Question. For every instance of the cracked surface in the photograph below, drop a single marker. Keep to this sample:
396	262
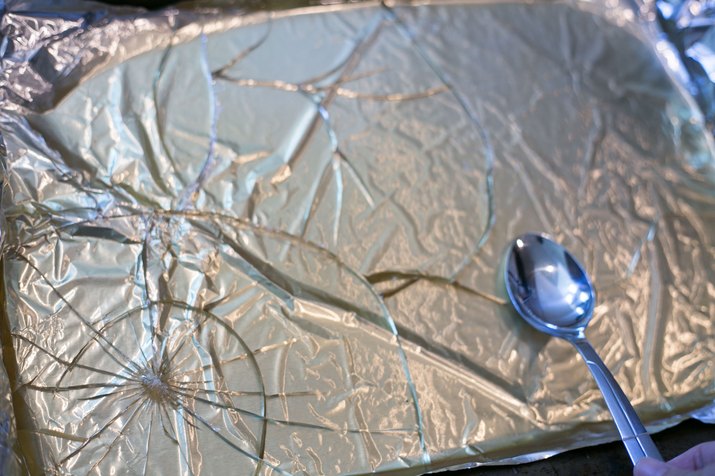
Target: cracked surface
272	242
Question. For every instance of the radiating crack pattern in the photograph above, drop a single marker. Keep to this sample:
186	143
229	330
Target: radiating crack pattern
168	372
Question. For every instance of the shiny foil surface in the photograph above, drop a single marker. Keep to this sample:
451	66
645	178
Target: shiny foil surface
690	26
271	242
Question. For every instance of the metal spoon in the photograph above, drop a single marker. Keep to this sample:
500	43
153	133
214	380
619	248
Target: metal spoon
552	292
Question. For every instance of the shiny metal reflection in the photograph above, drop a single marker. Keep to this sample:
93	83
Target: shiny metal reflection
552	292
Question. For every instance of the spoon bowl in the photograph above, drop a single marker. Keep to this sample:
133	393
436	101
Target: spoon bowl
550	289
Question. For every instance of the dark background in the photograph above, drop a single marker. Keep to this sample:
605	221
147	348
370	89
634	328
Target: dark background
609	459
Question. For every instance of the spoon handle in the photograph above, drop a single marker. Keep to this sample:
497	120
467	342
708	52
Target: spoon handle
634	435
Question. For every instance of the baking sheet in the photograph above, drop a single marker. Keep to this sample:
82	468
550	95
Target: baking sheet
270	242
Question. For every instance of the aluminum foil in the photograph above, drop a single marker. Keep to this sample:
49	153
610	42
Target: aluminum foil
271	242
688	25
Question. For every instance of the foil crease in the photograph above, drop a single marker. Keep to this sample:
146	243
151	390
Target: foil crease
271	242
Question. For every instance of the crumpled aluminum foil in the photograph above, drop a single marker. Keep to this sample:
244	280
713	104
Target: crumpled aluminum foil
271	242
688	25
